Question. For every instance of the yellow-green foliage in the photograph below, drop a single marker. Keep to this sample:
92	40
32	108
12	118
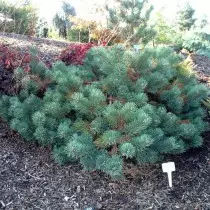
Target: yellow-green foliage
186	67
207	103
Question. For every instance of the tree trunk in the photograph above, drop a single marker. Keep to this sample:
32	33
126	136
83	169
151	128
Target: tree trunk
89	38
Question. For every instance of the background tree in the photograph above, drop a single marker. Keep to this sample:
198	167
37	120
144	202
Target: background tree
130	18
23	18
42	28
68	9
164	31
27	2
185	18
81	29
60	24
61	20
203	22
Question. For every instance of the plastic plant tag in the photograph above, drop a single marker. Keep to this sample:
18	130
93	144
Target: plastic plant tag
168	168
136	47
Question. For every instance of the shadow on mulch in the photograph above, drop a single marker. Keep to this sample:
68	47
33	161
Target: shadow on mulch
29	179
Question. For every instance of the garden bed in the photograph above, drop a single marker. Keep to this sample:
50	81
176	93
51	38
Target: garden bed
30	179
47	49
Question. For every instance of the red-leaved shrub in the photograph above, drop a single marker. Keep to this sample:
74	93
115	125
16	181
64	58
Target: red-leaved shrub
11	59
75	53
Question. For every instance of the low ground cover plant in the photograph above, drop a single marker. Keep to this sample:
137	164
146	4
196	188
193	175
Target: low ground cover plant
117	106
11	59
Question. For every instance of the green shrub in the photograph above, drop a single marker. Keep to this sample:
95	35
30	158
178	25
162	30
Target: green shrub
194	41
177	42
53	34
116	106
205	52
165	32
78	35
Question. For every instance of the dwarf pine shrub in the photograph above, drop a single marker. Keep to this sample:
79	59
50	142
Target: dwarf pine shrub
116	106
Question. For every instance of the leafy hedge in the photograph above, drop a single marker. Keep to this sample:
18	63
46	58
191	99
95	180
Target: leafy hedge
118	105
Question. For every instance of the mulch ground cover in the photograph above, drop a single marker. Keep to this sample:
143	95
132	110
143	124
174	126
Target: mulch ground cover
31	180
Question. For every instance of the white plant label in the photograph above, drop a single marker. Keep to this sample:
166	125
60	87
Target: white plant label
169	168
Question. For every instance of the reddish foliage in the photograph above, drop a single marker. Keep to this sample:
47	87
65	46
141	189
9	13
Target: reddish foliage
75	53
6	57
11	59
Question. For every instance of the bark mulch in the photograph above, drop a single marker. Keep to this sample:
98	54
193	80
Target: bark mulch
7	83
31	180
201	65
47	49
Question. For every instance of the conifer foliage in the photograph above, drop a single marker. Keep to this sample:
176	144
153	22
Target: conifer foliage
186	18
119	105
130	19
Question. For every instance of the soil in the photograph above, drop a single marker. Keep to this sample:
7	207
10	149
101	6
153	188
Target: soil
201	66
31	180
7	83
47	49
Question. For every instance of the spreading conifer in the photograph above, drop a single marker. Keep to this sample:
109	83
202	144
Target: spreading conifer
119	105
